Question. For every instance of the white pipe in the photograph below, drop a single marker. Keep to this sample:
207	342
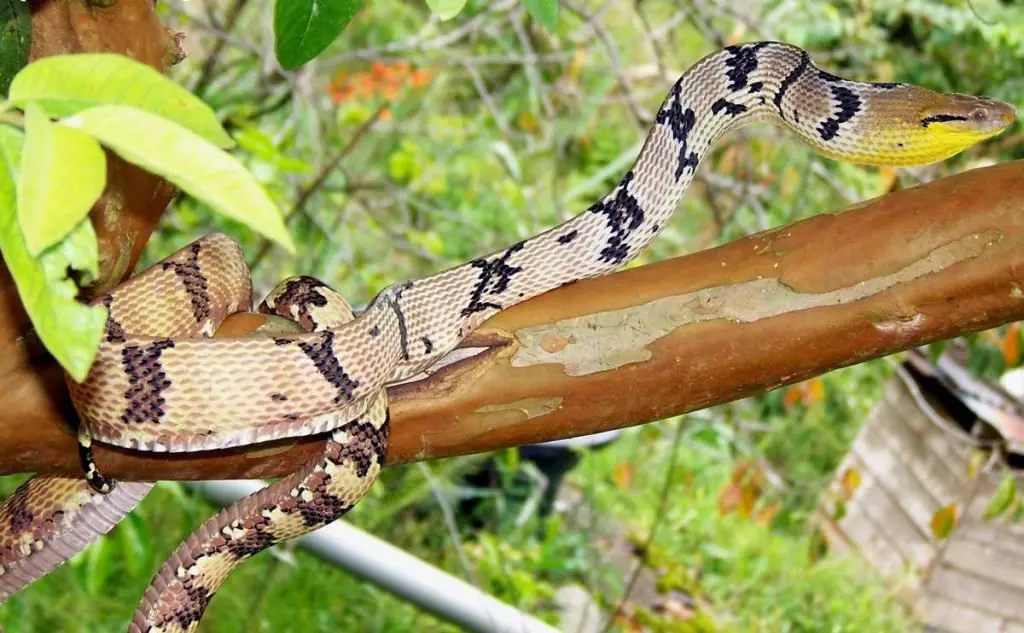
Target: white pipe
398	572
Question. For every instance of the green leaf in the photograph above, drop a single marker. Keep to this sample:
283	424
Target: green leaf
943	521
1003	497
63	172
70	330
545	11
67	84
97	566
15	39
304	28
207	173
136	546
446	9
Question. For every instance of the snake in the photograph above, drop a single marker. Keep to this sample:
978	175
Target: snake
161	382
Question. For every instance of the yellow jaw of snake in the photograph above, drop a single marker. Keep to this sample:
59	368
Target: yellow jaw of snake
924	126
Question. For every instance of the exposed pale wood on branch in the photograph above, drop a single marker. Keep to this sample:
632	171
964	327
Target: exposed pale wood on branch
928	263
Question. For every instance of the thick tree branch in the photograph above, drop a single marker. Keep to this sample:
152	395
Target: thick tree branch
928	263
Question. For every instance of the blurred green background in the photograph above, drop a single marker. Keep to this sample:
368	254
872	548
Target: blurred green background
493	129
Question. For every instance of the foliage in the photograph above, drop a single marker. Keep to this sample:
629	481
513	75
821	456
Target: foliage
764	579
59	174
304	28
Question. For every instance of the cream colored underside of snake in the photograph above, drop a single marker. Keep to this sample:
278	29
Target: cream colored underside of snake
160	383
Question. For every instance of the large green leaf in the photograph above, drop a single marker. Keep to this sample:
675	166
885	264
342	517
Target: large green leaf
66	84
446	9
70	330
15	40
204	171
304	28
546	11
63	172
1002	498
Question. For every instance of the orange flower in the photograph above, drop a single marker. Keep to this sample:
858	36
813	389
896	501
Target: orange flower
420	78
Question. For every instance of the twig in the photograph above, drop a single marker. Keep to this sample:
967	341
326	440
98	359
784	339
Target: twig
659	518
641	115
488	100
210	63
421	42
654	40
305	194
449	521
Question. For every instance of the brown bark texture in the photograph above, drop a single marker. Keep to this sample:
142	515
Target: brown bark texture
927	263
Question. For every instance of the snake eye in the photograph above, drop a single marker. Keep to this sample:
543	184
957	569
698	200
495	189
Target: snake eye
978	115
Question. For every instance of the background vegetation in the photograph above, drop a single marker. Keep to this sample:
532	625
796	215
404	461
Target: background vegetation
490	127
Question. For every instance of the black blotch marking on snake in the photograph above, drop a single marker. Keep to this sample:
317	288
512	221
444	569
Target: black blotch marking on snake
624	215
428	345
21	514
849	105
494	278
303	293
681	123
941	118
390	300
833	79
147	381
194	281
742	62
730	108
255	541
829	77
322	355
326	509
278	397
375	331
790	79
113	330
757	86
198	597
365	444
568	237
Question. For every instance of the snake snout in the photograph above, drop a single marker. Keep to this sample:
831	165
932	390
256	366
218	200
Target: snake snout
991	116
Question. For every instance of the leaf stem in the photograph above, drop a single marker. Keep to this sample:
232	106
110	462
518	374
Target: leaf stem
14	118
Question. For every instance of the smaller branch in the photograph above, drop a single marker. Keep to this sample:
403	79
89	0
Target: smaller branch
656	521
642	117
210	63
655	41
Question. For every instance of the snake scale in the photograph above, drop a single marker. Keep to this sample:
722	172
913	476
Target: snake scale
161	383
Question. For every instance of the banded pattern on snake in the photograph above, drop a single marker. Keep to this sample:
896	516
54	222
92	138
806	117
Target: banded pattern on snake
160	383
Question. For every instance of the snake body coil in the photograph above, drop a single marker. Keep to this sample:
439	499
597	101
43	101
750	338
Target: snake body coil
159	383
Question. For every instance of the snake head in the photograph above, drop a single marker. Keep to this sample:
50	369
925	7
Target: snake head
977	117
950	123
